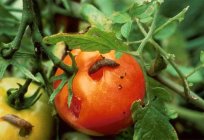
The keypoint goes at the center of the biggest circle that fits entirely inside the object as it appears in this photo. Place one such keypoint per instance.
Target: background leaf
(24, 70)
(3, 66)
(106, 6)
(8, 22)
(95, 17)
(125, 29)
(167, 31)
(202, 57)
(120, 17)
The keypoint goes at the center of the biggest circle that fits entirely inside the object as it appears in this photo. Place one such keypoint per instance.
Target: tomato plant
(102, 100)
(39, 115)
(89, 50)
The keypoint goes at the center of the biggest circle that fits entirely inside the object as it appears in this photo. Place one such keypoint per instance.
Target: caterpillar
(102, 63)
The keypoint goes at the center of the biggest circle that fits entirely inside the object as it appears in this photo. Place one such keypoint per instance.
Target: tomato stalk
(17, 99)
(29, 18)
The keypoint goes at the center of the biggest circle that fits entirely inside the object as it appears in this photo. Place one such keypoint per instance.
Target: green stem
(196, 100)
(148, 36)
(195, 70)
(134, 42)
(12, 47)
(37, 39)
(174, 65)
(195, 117)
(170, 59)
(188, 114)
(171, 20)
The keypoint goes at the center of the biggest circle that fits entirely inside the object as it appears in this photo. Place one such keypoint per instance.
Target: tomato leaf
(126, 28)
(106, 6)
(57, 90)
(161, 93)
(24, 70)
(202, 57)
(70, 81)
(58, 77)
(120, 17)
(6, 14)
(95, 17)
(143, 11)
(8, 22)
(93, 40)
(152, 122)
(3, 66)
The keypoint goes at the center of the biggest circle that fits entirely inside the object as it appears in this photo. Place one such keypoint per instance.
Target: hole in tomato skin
(97, 75)
(75, 106)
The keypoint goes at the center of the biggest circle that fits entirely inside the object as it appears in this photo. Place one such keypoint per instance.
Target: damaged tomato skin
(39, 115)
(102, 101)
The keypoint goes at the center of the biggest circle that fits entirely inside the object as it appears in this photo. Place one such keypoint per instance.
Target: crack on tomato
(75, 106)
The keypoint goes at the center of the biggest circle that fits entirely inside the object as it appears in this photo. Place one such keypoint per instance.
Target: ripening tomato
(39, 115)
(102, 100)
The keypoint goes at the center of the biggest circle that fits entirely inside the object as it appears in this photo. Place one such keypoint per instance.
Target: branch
(29, 18)
(148, 36)
(171, 20)
(9, 49)
(194, 117)
(170, 59)
(195, 100)
(195, 70)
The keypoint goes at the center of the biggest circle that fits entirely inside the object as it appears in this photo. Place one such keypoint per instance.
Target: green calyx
(17, 99)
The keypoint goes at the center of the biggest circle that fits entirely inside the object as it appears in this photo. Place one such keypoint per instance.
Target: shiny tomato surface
(101, 101)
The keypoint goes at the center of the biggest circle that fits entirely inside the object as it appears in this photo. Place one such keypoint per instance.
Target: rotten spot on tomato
(75, 106)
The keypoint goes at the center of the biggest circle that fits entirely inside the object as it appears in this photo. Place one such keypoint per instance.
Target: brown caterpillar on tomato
(104, 62)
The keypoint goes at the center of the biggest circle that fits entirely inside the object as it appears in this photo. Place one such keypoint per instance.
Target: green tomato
(39, 115)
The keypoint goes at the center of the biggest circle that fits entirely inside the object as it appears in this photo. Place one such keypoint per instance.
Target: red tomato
(101, 102)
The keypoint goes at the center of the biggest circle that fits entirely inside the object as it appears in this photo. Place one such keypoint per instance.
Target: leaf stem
(171, 20)
(194, 70)
(134, 42)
